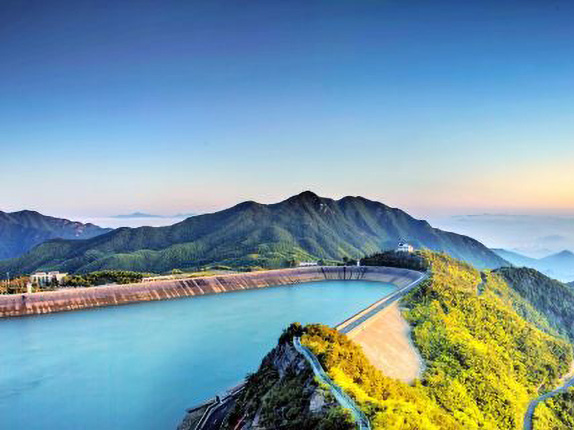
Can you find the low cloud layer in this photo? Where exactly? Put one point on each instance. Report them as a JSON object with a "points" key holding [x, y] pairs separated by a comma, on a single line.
{"points": [[533, 235]]}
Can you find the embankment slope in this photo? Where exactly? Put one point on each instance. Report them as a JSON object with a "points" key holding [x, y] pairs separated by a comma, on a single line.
{"points": [[386, 341]]}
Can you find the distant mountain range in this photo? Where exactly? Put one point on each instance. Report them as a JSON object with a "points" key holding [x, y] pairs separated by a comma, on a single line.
{"points": [[303, 227], [558, 266], [21, 231], [136, 215]]}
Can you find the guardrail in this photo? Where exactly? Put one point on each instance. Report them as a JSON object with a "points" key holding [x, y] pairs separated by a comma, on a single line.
{"points": [[342, 398], [216, 404]]}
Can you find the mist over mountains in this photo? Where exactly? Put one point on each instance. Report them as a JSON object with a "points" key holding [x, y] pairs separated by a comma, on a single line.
{"points": [[535, 236], [302, 227], [559, 266], [145, 215]]}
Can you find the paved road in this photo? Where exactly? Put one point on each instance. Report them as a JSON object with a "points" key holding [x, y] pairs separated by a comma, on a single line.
{"points": [[532, 406], [215, 415], [377, 307], [343, 399]]}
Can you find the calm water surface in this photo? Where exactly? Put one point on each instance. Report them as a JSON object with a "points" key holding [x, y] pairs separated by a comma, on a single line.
{"points": [[138, 367]]}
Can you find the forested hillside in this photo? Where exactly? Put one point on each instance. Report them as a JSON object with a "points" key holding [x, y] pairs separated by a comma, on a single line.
{"points": [[302, 227], [21, 231], [488, 352], [555, 413], [550, 297]]}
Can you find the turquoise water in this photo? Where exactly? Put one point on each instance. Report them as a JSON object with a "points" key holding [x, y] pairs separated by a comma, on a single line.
{"points": [[140, 366]]}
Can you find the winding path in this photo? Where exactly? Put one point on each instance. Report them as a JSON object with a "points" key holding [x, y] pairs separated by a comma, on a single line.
{"points": [[343, 399], [534, 403]]}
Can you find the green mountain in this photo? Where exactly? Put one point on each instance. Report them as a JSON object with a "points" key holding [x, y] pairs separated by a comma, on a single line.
{"points": [[551, 298], [21, 231], [559, 266], [251, 234]]}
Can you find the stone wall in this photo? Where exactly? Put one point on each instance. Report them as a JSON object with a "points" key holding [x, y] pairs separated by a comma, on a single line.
{"points": [[82, 298]]}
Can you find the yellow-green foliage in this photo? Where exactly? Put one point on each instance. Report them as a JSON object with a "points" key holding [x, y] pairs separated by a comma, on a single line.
{"points": [[484, 360], [485, 353], [555, 413], [390, 404]]}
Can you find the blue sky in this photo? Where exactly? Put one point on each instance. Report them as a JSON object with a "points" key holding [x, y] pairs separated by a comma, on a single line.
{"points": [[171, 106]]}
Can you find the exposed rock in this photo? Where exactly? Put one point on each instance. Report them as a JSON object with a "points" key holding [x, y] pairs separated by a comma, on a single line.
{"points": [[283, 394], [317, 402]]}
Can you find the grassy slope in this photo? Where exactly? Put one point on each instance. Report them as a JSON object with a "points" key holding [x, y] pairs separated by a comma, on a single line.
{"points": [[302, 227], [487, 355]]}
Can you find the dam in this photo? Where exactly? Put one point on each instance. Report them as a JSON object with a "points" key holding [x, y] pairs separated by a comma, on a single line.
{"points": [[141, 366], [83, 298]]}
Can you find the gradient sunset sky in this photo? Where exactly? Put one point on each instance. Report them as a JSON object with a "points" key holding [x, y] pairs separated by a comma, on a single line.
{"points": [[176, 106]]}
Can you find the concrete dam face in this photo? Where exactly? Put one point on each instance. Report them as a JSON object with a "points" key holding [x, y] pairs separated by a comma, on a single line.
{"points": [[83, 298]]}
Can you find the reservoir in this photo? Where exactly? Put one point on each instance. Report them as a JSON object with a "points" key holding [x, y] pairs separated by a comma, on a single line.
{"points": [[141, 366]]}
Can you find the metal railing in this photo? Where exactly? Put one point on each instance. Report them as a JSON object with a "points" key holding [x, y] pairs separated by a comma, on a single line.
{"points": [[342, 398]]}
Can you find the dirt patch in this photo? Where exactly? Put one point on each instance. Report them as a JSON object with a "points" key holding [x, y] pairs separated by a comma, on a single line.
{"points": [[386, 341]]}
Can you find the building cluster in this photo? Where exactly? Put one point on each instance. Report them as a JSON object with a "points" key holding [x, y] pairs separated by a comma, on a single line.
{"points": [[45, 279]]}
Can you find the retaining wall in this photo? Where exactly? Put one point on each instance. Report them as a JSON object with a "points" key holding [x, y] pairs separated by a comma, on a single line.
{"points": [[82, 298]]}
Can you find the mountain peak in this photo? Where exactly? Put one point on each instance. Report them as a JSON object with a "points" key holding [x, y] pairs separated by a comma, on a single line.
{"points": [[304, 197], [251, 233], [26, 212]]}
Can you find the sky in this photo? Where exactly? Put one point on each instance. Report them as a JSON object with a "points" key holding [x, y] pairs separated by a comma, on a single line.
{"points": [[441, 108]]}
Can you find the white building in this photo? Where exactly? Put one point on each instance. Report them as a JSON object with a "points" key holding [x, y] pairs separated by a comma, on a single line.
{"points": [[405, 247], [47, 278], [308, 263]]}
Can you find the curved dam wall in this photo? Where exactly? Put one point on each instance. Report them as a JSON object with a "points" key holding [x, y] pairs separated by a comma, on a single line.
{"points": [[83, 298]]}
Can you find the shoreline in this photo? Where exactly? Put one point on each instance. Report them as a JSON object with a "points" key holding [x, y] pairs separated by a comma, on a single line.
{"points": [[114, 295], [404, 279]]}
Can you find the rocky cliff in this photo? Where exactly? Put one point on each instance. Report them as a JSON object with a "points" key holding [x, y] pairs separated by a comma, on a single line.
{"points": [[282, 394]]}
